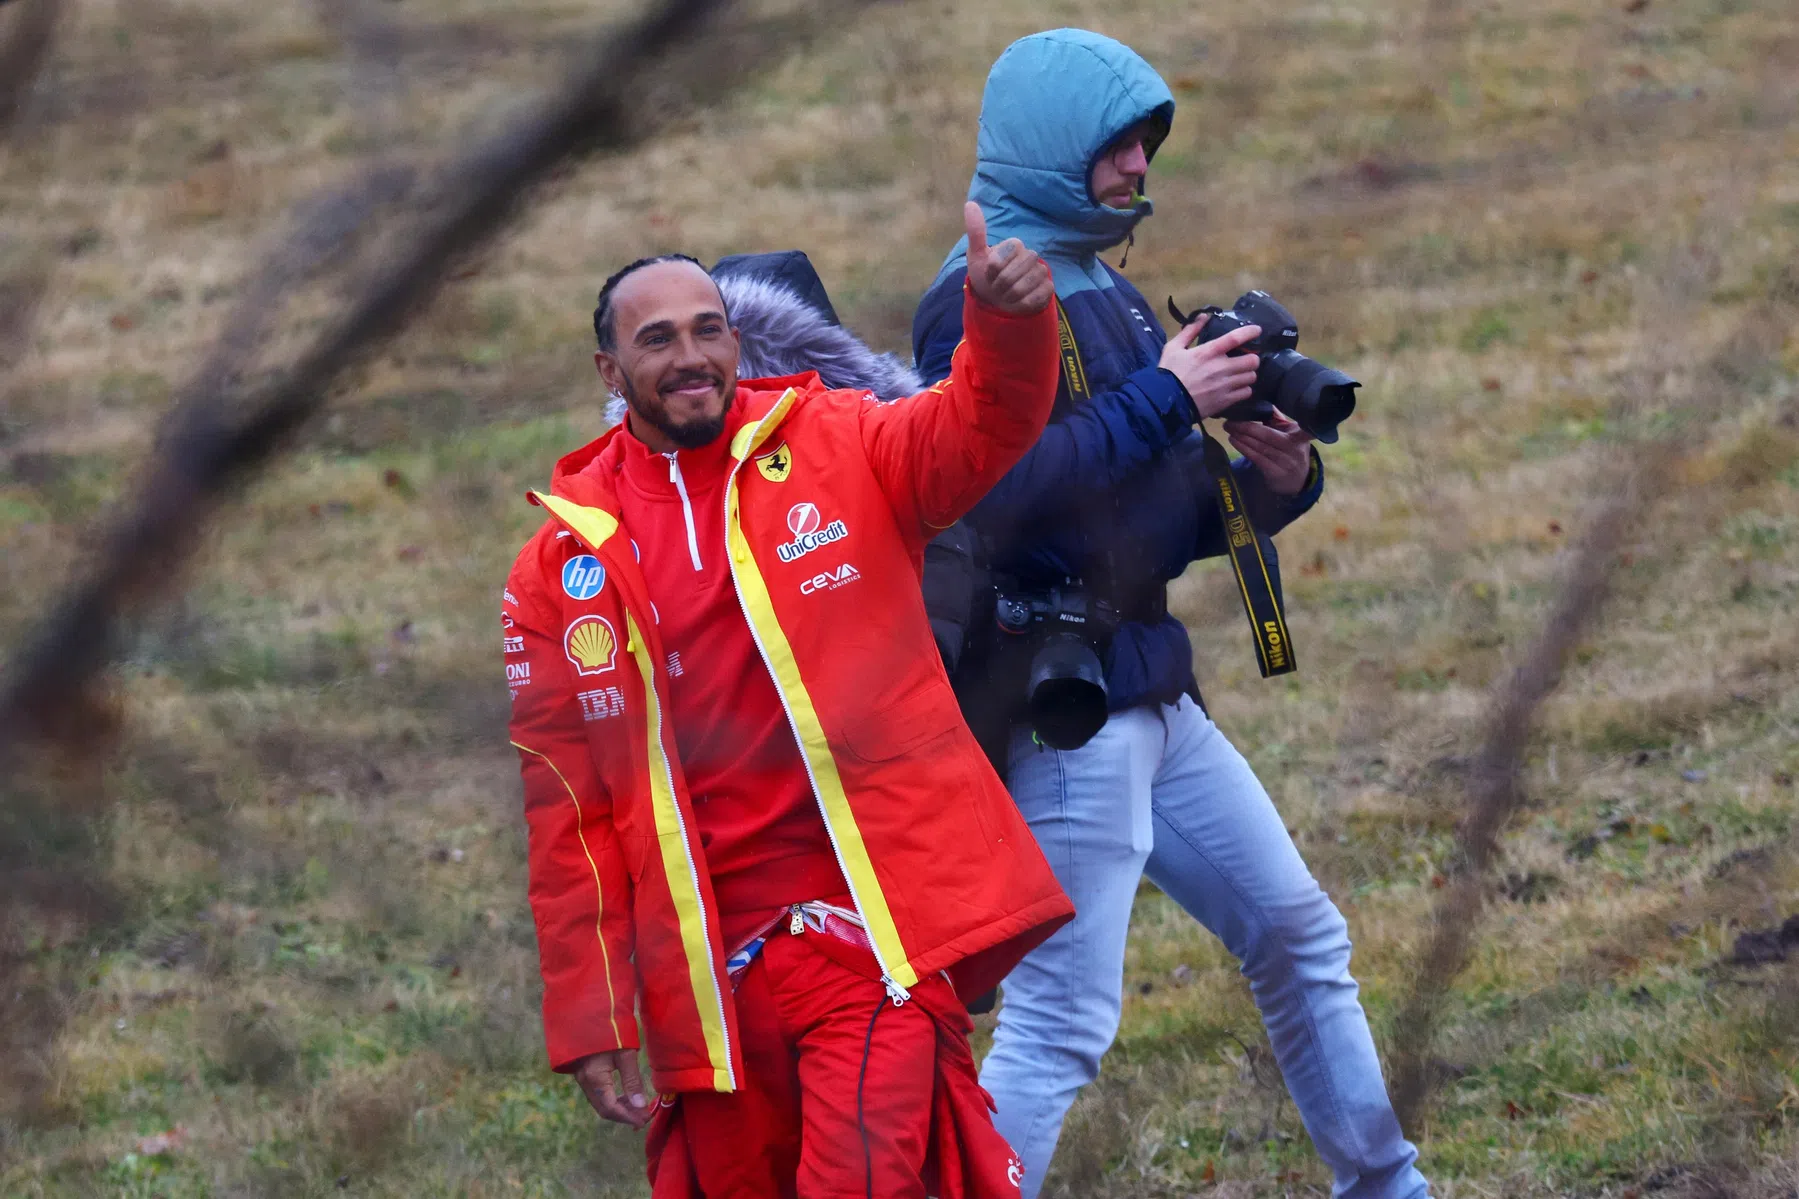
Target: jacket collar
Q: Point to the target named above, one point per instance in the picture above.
(583, 491)
(646, 471)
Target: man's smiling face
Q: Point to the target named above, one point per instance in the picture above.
(674, 355)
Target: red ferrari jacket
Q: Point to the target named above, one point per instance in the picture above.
(827, 511)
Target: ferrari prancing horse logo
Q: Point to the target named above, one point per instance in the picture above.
(776, 464)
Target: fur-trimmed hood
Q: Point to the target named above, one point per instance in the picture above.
(784, 335)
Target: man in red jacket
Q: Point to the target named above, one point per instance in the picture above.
(757, 821)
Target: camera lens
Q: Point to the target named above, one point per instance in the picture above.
(1330, 401)
(1066, 692)
(1313, 394)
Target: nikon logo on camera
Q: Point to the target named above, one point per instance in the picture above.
(803, 522)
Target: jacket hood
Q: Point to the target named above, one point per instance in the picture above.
(785, 334)
(790, 268)
(1053, 102)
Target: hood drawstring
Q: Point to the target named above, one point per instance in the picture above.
(1130, 239)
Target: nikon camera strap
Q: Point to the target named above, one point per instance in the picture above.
(1261, 602)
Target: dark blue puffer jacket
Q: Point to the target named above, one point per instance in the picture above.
(1115, 484)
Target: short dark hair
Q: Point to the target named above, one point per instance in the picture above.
(603, 333)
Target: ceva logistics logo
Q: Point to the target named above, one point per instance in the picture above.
(830, 580)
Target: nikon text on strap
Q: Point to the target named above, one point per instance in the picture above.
(1274, 650)
(1261, 602)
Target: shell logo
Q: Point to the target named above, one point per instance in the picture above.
(802, 519)
(591, 645)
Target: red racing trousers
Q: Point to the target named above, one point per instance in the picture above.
(844, 1094)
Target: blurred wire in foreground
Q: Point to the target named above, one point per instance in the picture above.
(26, 34)
(1494, 786)
(1674, 395)
(221, 429)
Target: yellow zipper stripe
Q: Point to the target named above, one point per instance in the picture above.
(681, 875)
(599, 895)
(751, 438)
(595, 525)
(840, 821)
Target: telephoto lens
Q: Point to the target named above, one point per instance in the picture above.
(1066, 692)
(1317, 397)
(1064, 631)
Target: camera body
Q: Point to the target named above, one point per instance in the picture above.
(1313, 394)
(1065, 630)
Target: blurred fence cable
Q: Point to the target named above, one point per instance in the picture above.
(26, 34)
(1674, 397)
(1495, 787)
(227, 423)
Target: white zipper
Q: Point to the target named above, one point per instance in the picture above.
(693, 541)
(895, 992)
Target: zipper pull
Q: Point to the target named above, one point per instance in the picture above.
(797, 924)
(895, 992)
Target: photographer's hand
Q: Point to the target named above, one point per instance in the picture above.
(1279, 450)
(1007, 276)
(1211, 377)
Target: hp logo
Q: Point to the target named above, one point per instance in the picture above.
(583, 576)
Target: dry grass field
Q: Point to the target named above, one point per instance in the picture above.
(271, 938)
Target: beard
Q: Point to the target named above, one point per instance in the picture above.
(690, 434)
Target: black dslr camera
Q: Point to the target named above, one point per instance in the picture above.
(1066, 629)
(1313, 394)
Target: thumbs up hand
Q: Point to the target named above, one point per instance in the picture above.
(1007, 276)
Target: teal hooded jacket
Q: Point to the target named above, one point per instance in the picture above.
(1054, 102)
(1114, 493)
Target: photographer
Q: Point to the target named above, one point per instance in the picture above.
(1113, 502)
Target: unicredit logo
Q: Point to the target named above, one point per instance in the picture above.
(803, 522)
(802, 519)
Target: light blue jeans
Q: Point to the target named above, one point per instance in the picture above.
(1161, 791)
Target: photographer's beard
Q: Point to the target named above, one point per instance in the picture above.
(675, 412)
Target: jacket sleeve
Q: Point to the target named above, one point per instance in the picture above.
(1268, 512)
(938, 452)
(579, 888)
(1088, 450)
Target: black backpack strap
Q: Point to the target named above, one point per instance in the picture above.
(956, 585)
